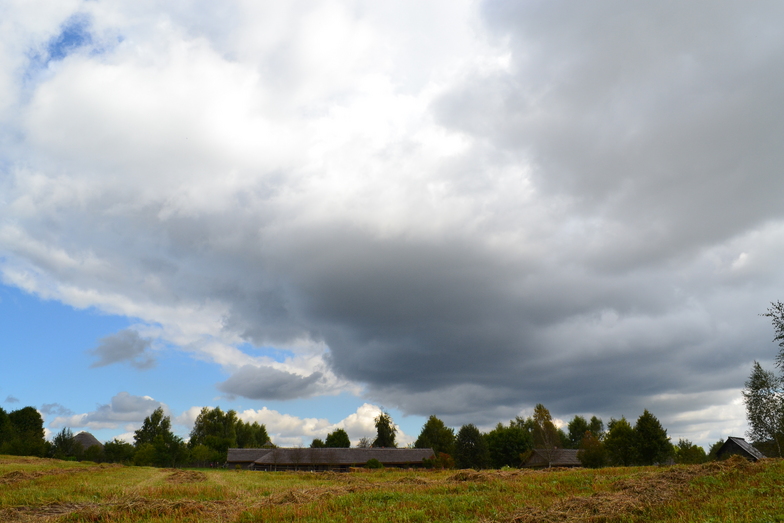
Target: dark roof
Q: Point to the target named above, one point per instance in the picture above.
(329, 456)
(245, 455)
(87, 440)
(744, 446)
(553, 458)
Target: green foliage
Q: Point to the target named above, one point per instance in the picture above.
(65, 446)
(385, 431)
(764, 401)
(776, 314)
(545, 434)
(26, 433)
(592, 453)
(337, 439)
(596, 426)
(156, 444)
(651, 440)
(117, 451)
(317, 444)
(620, 443)
(714, 450)
(216, 430)
(441, 460)
(507, 444)
(471, 449)
(437, 436)
(688, 453)
(251, 435)
(373, 463)
(577, 429)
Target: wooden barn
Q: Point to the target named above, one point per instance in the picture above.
(738, 447)
(336, 459)
(543, 458)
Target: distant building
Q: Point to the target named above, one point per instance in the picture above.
(337, 459)
(545, 458)
(738, 447)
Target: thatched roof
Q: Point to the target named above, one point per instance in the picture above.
(553, 458)
(87, 440)
(328, 456)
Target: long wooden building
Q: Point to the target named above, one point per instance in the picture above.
(336, 459)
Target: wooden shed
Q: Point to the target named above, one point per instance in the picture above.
(542, 458)
(738, 447)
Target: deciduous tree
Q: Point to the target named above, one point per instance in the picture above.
(337, 439)
(620, 443)
(764, 401)
(506, 445)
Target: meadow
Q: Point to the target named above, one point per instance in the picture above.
(34, 489)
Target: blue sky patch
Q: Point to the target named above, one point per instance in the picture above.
(75, 34)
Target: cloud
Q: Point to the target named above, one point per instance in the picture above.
(124, 408)
(124, 346)
(499, 205)
(287, 430)
(11, 399)
(55, 409)
(270, 384)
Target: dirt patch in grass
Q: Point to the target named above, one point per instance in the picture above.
(186, 476)
(629, 497)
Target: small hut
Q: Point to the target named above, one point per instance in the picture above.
(542, 458)
(740, 447)
(87, 440)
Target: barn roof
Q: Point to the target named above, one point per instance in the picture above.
(245, 455)
(744, 445)
(553, 458)
(342, 456)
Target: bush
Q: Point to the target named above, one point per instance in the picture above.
(373, 463)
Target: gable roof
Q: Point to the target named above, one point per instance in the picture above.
(743, 445)
(245, 455)
(553, 458)
(342, 456)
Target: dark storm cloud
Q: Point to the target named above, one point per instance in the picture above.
(270, 384)
(124, 346)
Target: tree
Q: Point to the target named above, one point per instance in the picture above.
(596, 426)
(217, 430)
(65, 446)
(652, 443)
(27, 433)
(251, 435)
(338, 439)
(507, 444)
(546, 436)
(385, 431)
(471, 450)
(776, 314)
(156, 444)
(714, 450)
(688, 453)
(437, 436)
(117, 451)
(577, 429)
(592, 453)
(6, 431)
(764, 401)
(620, 443)
(364, 443)
(317, 444)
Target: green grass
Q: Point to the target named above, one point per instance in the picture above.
(34, 489)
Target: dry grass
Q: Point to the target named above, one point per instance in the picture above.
(51, 491)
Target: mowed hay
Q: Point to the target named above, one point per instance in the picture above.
(469, 475)
(630, 497)
(16, 476)
(186, 476)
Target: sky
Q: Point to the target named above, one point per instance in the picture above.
(313, 211)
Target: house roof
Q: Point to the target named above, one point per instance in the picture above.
(553, 458)
(245, 455)
(744, 445)
(328, 456)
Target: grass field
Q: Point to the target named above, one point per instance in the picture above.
(33, 489)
